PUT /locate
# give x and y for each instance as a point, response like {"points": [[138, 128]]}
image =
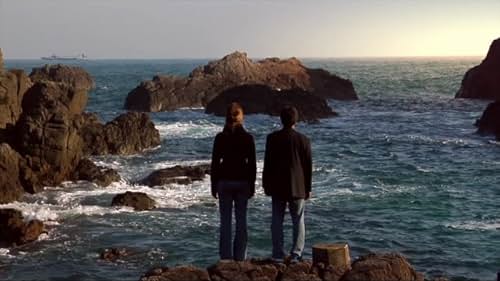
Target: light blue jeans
{"points": [[237, 193], [296, 208]]}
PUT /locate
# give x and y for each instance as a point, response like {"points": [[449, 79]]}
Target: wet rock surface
{"points": [[177, 174], [489, 123], [88, 171], [138, 200], [166, 92], [14, 231]]}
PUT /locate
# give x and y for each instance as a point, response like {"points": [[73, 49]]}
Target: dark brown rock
{"points": [[138, 200], [14, 231], [113, 254], [178, 273], [329, 272], [489, 123], [177, 174], [129, 133], [10, 185], [263, 99], [300, 271], [1, 60], [243, 270], [382, 267], [206, 82], [483, 81], [13, 86], [47, 133], [88, 171], [74, 76]]}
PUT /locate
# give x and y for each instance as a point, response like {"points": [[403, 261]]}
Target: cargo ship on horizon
{"points": [[55, 57]]}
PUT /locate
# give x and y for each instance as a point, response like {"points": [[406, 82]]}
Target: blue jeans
{"points": [[296, 208], [237, 193]]}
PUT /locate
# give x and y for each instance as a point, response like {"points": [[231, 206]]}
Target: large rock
{"points": [[48, 133], [489, 123], [177, 174], [263, 99], [13, 86], [245, 270], [129, 133], [382, 267], [1, 60], [206, 82], [140, 201], [15, 231], [178, 273], [10, 185], [88, 171], [483, 81], [75, 76]]}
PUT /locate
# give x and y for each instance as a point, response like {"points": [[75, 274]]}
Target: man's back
{"points": [[287, 165]]}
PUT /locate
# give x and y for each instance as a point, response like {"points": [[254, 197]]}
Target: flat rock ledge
{"points": [[372, 267], [177, 174]]}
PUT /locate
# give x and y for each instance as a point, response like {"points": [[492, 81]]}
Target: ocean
{"points": [[400, 170]]}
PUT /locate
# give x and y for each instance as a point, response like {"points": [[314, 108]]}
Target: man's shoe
{"points": [[295, 259]]}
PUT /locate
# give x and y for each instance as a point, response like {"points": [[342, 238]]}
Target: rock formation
{"points": [[483, 81], [204, 83], [13, 86], [489, 123], [177, 174], [15, 231], [129, 133], [263, 99], [74, 76], [1, 60], [372, 267], [88, 171], [113, 254], [140, 201], [10, 185]]}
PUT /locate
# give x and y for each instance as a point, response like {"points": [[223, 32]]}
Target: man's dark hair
{"points": [[289, 116]]}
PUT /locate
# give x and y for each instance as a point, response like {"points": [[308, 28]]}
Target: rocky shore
{"points": [[205, 83]]}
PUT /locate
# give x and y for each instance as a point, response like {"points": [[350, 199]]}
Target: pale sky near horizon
{"points": [[262, 28]]}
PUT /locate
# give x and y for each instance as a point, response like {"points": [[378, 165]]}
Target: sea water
{"points": [[400, 170]]}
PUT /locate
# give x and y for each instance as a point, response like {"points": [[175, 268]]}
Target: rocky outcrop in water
{"points": [[263, 99], [483, 81], [177, 174], [204, 83], [373, 267], [88, 171], [489, 123], [140, 201], [74, 76], [129, 133], [113, 254], [15, 231]]}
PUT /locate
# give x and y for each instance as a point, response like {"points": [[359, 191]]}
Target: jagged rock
{"points": [[382, 267], [138, 200], [263, 99], [301, 271], [206, 82], [13, 86], [244, 270], [47, 133], [1, 61], [10, 185], [113, 254], [489, 123], [129, 133], [14, 231], [177, 174], [330, 273], [178, 273], [75, 76], [483, 81], [88, 171]]}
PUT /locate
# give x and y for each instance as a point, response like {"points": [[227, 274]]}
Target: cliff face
{"points": [[204, 83], [483, 81]]}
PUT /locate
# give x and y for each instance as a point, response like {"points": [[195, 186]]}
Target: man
{"points": [[287, 179]]}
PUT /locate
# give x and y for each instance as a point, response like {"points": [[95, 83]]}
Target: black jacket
{"points": [[233, 157], [287, 165]]}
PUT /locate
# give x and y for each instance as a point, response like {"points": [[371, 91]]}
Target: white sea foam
{"points": [[195, 130], [476, 225]]}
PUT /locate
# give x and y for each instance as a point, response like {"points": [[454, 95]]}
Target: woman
{"points": [[233, 181]]}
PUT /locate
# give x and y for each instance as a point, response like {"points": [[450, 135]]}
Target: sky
{"points": [[262, 28]]}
